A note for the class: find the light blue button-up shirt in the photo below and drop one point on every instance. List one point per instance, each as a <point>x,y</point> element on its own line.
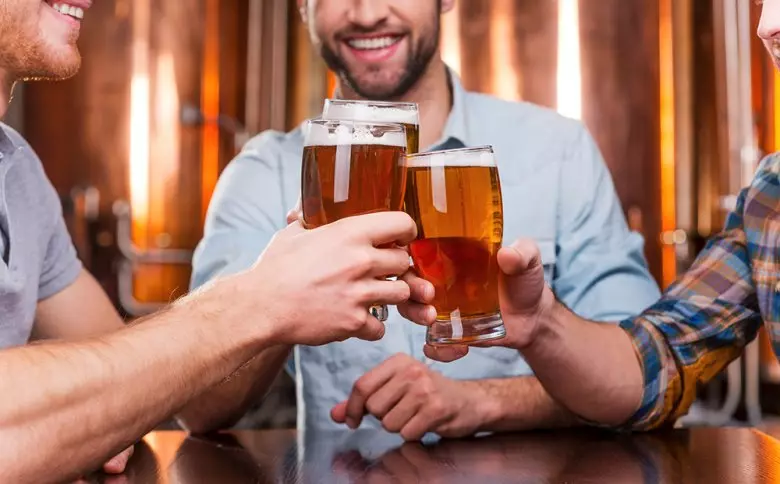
<point>556,190</point>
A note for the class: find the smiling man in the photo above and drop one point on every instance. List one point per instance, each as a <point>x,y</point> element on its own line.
<point>556,190</point>
<point>69,405</point>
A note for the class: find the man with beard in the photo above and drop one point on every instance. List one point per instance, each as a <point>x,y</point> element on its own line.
<point>69,405</point>
<point>556,190</point>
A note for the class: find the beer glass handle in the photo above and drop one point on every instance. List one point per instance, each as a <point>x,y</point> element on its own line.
<point>380,312</point>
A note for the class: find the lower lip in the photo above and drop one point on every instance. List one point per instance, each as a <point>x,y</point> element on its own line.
<point>375,55</point>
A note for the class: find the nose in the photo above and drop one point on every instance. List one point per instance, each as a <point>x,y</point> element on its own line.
<point>368,13</point>
<point>769,25</point>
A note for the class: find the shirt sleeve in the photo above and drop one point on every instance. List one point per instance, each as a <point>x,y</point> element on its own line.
<point>246,210</point>
<point>702,323</point>
<point>601,272</point>
<point>61,265</point>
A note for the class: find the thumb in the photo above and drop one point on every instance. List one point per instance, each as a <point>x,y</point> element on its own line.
<point>296,213</point>
<point>522,277</point>
<point>339,412</point>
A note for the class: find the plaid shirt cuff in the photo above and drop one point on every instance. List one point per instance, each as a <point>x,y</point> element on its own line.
<point>660,372</point>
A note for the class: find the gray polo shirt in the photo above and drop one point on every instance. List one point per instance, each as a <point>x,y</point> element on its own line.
<point>38,257</point>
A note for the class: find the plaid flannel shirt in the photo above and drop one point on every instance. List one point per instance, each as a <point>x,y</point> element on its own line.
<point>705,319</point>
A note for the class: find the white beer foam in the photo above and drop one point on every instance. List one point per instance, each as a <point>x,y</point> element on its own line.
<point>347,134</point>
<point>362,111</point>
<point>459,157</point>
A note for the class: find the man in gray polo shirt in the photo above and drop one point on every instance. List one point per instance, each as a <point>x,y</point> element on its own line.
<point>556,190</point>
<point>68,406</point>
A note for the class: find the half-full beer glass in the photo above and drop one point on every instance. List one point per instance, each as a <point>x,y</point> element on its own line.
<point>454,197</point>
<point>352,168</point>
<point>378,111</point>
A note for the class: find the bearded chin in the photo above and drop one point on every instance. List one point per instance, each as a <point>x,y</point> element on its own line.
<point>52,68</point>
<point>419,59</point>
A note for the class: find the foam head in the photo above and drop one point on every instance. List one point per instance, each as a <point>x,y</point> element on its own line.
<point>406,113</point>
<point>339,133</point>
<point>482,156</point>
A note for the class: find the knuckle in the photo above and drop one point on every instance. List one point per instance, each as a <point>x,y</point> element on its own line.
<point>391,426</point>
<point>360,388</point>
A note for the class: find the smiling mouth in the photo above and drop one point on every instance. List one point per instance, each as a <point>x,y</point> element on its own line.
<point>71,11</point>
<point>373,43</point>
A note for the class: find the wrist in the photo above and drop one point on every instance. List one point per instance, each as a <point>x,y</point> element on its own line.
<point>222,304</point>
<point>549,321</point>
<point>482,403</point>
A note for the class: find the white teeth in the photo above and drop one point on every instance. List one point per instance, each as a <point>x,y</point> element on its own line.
<point>375,43</point>
<point>70,10</point>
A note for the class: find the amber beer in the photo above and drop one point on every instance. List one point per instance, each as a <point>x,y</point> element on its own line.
<point>455,198</point>
<point>351,168</point>
<point>381,112</point>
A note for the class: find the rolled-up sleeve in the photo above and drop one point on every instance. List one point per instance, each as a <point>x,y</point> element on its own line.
<point>702,323</point>
<point>247,209</point>
<point>601,271</point>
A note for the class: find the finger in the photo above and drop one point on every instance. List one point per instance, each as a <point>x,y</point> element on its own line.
<point>446,354</point>
<point>369,383</point>
<point>339,412</point>
<point>296,213</point>
<point>378,291</point>
<point>521,256</point>
<point>118,464</point>
<point>372,329</point>
<point>421,291</point>
<point>389,262</point>
<point>388,396</point>
<point>382,228</point>
<point>419,425</point>
<point>401,414</point>
<point>421,314</point>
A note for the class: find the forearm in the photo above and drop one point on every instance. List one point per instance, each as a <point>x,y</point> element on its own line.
<point>222,405</point>
<point>75,404</point>
<point>589,368</point>
<point>517,404</point>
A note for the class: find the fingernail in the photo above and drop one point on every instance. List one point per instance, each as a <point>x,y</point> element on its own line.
<point>430,292</point>
<point>432,314</point>
<point>351,423</point>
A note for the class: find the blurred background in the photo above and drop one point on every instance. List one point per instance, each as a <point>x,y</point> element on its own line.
<point>679,95</point>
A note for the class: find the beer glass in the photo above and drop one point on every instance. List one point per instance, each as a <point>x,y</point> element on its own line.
<point>454,196</point>
<point>378,111</point>
<point>352,168</point>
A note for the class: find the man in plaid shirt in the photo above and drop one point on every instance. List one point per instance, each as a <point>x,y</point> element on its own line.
<point>643,374</point>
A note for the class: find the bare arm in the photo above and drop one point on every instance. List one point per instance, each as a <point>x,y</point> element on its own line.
<point>116,387</point>
<point>66,315</point>
<point>224,404</point>
<point>517,404</point>
<point>74,404</point>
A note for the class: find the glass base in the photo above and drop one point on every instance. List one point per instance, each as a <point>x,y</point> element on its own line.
<point>466,331</point>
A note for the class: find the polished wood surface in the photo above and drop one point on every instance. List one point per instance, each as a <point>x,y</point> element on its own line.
<point>704,455</point>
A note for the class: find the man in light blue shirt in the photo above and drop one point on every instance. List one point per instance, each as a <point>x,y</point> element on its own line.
<point>556,190</point>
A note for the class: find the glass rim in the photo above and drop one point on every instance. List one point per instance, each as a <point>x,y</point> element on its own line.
<point>381,104</point>
<point>453,151</point>
<point>476,156</point>
<point>357,122</point>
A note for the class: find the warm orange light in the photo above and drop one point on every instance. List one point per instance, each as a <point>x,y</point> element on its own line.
<point>506,83</point>
<point>139,122</point>
<point>210,105</point>
<point>450,38</point>
<point>569,70</point>
<point>668,189</point>
<point>165,141</point>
